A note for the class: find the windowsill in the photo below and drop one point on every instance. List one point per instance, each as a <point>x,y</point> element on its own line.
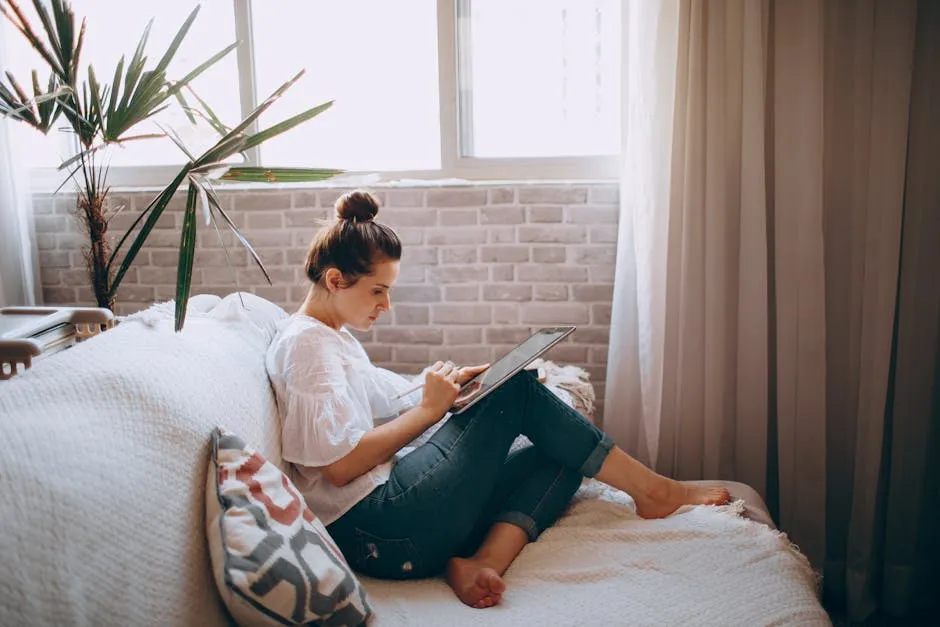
<point>393,184</point>
<point>468,173</point>
<point>355,182</point>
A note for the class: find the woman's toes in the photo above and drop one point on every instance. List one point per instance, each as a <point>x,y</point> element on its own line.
<point>487,601</point>
<point>475,584</point>
<point>668,495</point>
<point>488,579</point>
<point>717,496</point>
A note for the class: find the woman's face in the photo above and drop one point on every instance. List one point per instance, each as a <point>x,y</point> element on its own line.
<point>360,305</point>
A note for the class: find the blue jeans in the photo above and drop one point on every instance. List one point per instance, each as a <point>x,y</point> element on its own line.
<point>443,497</point>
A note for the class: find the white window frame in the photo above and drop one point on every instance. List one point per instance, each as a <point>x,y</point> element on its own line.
<point>453,133</point>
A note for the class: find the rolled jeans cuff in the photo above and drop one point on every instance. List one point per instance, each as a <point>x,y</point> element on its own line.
<point>526,523</point>
<point>592,465</point>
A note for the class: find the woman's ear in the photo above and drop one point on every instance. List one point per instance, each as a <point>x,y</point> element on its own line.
<point>333,279</point>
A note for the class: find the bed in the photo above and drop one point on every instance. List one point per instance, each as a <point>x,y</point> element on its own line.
<point>103,471</point>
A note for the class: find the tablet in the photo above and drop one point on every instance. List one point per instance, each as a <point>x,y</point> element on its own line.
<point>482,385</point>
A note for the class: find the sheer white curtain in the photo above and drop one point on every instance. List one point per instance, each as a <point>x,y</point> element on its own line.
<point>689,347</point>
<point>19,273</point>
<point>633,396</point>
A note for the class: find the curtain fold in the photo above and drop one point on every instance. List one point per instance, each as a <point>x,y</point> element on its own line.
<point>766,305</point>
<point>911,492</point>
<point>869,62</point>
<point>19,271</point>
<point>650,39</point>
<point>715,323</point>
<point>800,340</point>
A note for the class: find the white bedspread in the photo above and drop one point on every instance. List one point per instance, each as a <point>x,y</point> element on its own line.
<point>603,565</point>
<point>102,471</point>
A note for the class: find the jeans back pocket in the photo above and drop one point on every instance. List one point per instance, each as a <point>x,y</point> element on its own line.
<point>386,558</point>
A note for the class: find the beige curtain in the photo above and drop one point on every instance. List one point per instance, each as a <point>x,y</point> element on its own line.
<point>910,497</point>
<point>756,296</point>
<point>869,57</point>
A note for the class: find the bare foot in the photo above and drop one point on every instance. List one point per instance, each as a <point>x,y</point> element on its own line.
<point>474,583</point>
<point>667,495</point>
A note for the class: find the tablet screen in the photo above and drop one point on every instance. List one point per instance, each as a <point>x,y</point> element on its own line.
<point>512,362</point>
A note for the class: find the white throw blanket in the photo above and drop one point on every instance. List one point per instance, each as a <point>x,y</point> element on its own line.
<point>603,565</point>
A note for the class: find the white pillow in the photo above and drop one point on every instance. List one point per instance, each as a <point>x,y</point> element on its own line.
<point>261,314</point>
<point>274,561</point>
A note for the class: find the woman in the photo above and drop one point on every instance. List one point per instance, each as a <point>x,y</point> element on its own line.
<point>456,503</point>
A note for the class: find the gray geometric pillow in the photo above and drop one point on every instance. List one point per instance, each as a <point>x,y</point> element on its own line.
<point>274,561</point>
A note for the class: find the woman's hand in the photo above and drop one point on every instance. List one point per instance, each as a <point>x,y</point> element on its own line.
<point>468,372</point>
<point>440,387</point>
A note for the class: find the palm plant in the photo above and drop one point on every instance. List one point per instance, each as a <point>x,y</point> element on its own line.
<point>101,114</point>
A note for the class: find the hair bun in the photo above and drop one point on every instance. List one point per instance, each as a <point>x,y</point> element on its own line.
<point>357,206</point>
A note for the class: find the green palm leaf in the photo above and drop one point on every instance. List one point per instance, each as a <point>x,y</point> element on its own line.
<point>286,125</point>
<point>176,139</point>
<point>238,234</point>
<point>20,92</point>
<point>73,69</point>
<point>95,109</point>
<point>47,106</point>
<point>56,37</point>
<point>61,51</point>
<point>87,152</point>
<point>185,107</point>
<point>19,21</point>
<point>184,269</point>
<point>234,141</point>
<point>208,114</point>
<point>205,65</point>
<point>152,212</point>
<point>228,257</point>
<point>164,62</point>
<point>62,36</point>
<point>11,106</point>
<point>102,114</point>
<point>144,92</point>
<point>278,175</point>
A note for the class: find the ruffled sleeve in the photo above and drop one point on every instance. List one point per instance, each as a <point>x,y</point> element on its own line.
<point>323,420</point>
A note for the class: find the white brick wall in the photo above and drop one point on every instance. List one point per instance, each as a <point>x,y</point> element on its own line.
<point>482,264</point>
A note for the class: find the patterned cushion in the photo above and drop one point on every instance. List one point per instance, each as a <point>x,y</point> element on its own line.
<point>273,560</point>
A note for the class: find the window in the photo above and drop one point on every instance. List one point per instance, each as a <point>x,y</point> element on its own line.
<point>17,56</point>
<point>377,59</point>
<point>113,31</point>
<point>533,66</point>
<point>422,88</point>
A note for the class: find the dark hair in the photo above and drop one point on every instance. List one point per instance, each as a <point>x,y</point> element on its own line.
<point>354,243</point>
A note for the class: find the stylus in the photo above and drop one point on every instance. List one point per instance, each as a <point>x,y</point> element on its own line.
<point>407,392</point>
<point>420,385</point>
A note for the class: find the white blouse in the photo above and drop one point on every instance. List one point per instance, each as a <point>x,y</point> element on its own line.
<point>328,393</point>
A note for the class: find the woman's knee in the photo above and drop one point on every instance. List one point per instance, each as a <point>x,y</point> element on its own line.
<point>518,386</point>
